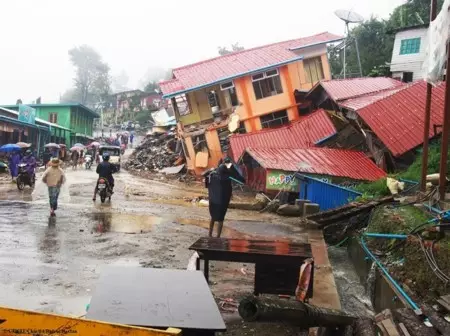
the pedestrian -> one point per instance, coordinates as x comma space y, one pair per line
54, 178
46, 156
14, 160
131, 140
31, 163
218, 182
81, 160
74, 157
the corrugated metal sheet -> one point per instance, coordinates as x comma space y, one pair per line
323, 161
172, 85
340, 89
361, 102
327, 195
303, 133
216, 69
397, 120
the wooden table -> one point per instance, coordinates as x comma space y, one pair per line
158, 298
277, 263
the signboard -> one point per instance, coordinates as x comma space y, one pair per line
279, 179
27, 114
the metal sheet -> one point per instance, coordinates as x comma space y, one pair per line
300, 134
155, 297
320, 161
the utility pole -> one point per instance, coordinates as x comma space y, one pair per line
426, 123
445, 131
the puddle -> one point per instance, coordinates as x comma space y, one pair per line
135, 223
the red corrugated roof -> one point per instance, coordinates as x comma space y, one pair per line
172, 85
397, 119
235, 64
363, 101
340, 89
322, 161
303, 133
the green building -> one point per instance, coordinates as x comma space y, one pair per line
76, 121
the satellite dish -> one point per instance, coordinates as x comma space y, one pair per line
348, 16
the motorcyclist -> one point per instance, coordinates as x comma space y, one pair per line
30, 160
105, 170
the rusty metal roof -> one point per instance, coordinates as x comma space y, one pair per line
241, 63
340, 89
397, 119
306, 132
320, 161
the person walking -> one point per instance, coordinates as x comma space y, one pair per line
220, 189
131, 140
74, 157
54, 178
14, 160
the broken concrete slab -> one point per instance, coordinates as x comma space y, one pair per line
310, 208
289, 210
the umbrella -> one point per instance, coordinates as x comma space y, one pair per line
76, 148
51, 145
62, 145
23, 144
78, 145
8, 148
95, 144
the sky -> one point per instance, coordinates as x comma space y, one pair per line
141, 37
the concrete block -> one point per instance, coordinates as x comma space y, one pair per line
289, 210
310, 208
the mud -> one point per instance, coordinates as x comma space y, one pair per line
52, 264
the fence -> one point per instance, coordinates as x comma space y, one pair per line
327, 195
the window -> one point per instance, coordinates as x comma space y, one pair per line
313, 69
230, 93
241, 129
275, 119
410, 46
224, 134
407, 77
267, 84
199, 143
53, 118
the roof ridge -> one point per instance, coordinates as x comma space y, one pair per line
246, 50
307, 148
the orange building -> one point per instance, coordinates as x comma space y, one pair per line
257, 85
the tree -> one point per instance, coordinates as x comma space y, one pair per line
234, 48
92, 80
375, 49
19, 101
413, 12
151, 87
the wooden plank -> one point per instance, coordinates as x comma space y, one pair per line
414, 325
446, 298
390, 328
15, 321
403, 329
382, 329
444, 304
436, 320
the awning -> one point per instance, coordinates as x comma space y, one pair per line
84, 136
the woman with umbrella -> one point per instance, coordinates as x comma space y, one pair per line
13, 158
218, 182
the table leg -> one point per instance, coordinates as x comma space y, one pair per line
206, 270
197, 264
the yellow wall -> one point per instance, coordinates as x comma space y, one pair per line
298, 75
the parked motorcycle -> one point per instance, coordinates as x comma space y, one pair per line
104, 189
23, 178
88, 161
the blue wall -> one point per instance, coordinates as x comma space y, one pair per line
327, 195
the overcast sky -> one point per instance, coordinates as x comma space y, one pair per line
137, 36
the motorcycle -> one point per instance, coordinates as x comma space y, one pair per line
88, 161
104, 189
23, 178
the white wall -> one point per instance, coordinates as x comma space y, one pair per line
410, 62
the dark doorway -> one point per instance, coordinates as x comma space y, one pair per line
407, 77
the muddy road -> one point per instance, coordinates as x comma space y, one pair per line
52, 264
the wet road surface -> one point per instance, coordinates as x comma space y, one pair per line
52, 264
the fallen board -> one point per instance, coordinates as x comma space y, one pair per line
155, 297
15, 321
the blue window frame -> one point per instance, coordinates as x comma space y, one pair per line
410, 46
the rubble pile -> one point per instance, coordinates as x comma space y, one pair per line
156, 153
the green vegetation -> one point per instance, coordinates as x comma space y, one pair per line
380, 189
406, 261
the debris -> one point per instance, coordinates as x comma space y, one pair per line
394, 186
156, 153
289, 210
